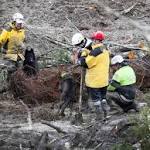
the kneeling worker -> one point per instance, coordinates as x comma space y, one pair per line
123, 84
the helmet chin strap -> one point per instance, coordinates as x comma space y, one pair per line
88, 43
83, 43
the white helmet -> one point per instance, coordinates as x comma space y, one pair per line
77, 38
18, 18
117, 59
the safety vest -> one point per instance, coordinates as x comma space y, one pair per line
125, 76
97, 61
11, 40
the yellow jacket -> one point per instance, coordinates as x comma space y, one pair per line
12, 40
97, 61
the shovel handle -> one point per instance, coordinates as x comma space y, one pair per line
81, 89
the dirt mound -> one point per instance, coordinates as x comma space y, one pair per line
42, 88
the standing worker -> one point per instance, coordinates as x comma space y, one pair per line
12, 42
95, 58
122, 84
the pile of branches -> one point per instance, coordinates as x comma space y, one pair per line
44, 86
142, 69
38, 89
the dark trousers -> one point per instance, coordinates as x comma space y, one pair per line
97, 93
98, 96
125, 104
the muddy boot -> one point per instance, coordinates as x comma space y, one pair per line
105, 108
135, 107
132, 106
99, 113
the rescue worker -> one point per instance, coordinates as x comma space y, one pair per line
95, 58
122, 84
12, 42
66, 88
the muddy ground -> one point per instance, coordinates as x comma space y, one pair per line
21, 127
40, 127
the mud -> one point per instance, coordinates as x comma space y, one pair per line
16, 132
51, 20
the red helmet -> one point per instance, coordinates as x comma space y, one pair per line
99, 35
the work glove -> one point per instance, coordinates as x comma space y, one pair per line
21, 46
79, 62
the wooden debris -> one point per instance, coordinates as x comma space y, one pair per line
59, 130
129, 9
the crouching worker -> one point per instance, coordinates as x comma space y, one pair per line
122, 84
67, 93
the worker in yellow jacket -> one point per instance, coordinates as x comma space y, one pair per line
12, 41
95, 58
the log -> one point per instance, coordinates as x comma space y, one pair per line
59, 130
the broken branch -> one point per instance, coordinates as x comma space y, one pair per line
59, 130
128, 9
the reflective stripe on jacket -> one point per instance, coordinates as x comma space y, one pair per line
124, 76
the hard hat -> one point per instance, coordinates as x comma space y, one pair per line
19, 21
18, 17
117, 59
77, 38
99, 35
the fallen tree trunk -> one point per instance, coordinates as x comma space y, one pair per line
59, 130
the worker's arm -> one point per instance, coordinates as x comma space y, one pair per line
90, 60
115, 82
113, 85
81, 58
3, 37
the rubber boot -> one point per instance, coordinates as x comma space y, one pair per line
105, 108
99, 113
132, 106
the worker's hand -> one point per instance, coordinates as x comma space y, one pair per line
79, 62
21, 46
74, 66
74, 56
